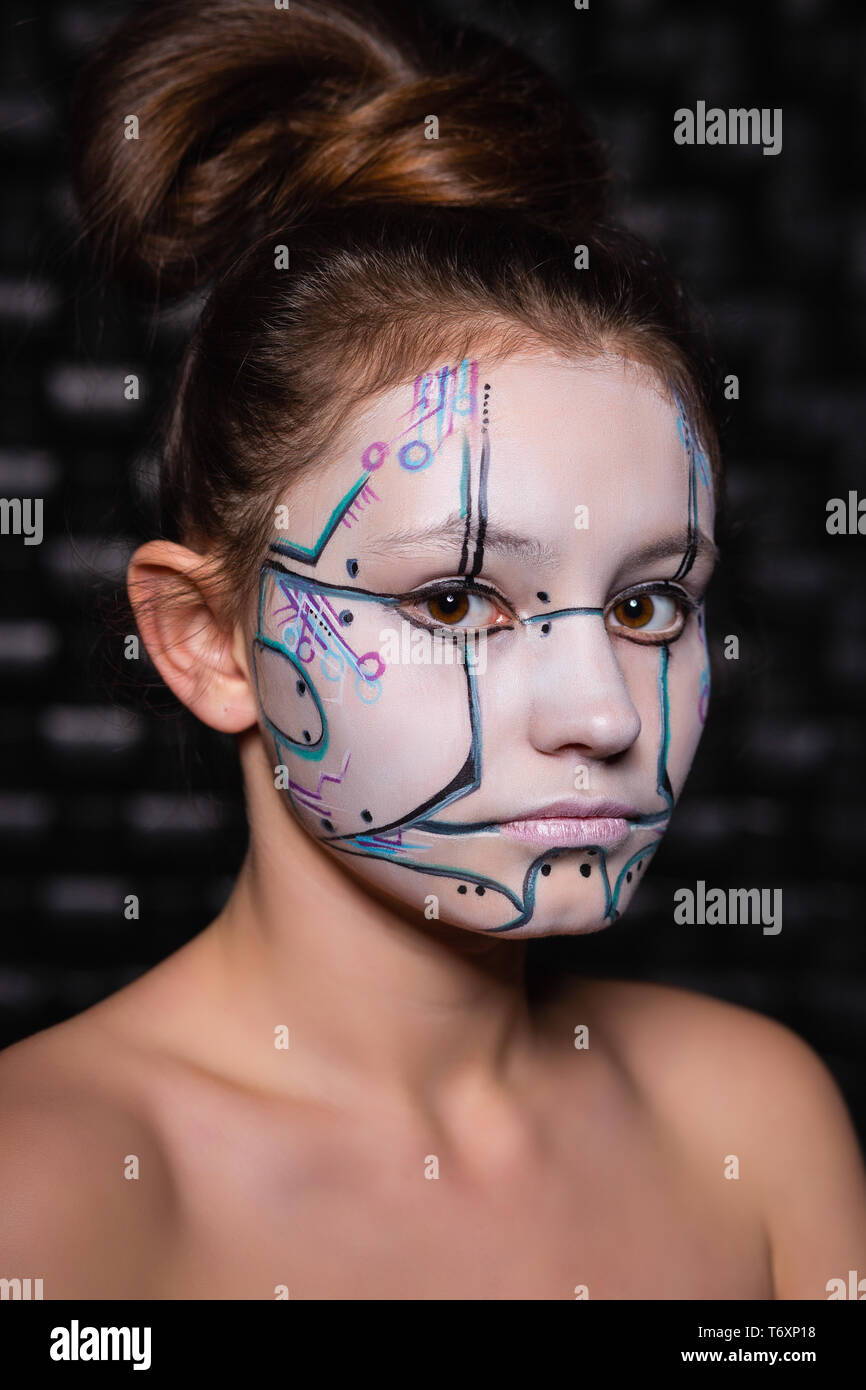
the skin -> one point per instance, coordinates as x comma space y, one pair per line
431, 1131
573, 685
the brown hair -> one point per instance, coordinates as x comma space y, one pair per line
305, 127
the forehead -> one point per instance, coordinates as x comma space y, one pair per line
601, 435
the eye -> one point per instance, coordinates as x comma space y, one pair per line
453, 606
649, 616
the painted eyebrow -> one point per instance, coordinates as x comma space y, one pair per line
449, 533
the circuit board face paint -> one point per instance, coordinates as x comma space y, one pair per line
480, 657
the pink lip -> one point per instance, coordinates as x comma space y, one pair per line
583, 830
573, 823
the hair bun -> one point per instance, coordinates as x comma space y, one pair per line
251, 117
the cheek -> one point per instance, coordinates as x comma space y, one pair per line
400, 753
688, 695
370, 729
665, 687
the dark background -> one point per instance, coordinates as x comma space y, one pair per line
100, 798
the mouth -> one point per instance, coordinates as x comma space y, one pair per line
573, 824
574, 830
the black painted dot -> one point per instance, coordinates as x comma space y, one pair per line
346, 617
352, 567
462, 888
543, 595
586, 870
592, 851
545, 869
628, 877
329, 825
480, 891
307, 736
640, 863
301, 687
366, 815
545, 627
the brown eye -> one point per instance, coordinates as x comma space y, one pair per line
635, 612
652, 617
448, 607
460, 609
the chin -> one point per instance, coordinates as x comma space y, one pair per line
573, 923
559, 892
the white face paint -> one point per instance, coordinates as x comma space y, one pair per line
516, 779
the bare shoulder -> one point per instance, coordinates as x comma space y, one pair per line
84, 1183
742, 1091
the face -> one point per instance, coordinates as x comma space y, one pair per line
480, 658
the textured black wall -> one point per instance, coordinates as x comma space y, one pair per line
99, 800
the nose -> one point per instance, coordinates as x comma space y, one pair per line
580, 697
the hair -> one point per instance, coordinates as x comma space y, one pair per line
306, 128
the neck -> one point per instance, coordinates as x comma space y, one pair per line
376, 998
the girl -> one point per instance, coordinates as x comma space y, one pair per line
439, 486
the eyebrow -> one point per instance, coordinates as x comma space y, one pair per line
449, 533
669, 547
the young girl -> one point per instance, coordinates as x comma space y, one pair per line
439, 487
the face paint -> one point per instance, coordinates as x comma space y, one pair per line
547, 524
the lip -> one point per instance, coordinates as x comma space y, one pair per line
573, 823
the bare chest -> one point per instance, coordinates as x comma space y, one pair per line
377, 1221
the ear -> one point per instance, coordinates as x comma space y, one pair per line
199, 653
